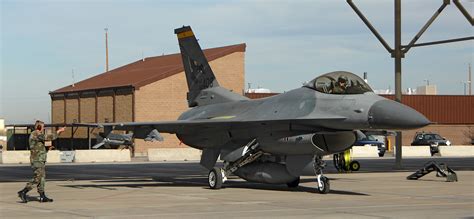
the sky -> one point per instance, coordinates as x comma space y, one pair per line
288, 42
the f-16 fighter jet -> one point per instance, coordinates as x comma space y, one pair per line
271, 140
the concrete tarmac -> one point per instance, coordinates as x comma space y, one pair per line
179, 190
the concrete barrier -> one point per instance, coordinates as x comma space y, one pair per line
456, 151
416, 151
365, 151
173, 154
16, 157
54, 156
105, 155
24, 157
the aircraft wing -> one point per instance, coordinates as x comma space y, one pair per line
142, 129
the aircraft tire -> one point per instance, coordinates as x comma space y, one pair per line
215, 178
294, 183
326, 186
354, 165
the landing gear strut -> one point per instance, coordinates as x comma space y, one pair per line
323, 182
217, 176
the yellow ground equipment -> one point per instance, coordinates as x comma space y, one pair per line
344, 163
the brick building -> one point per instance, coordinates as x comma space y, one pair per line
151, 89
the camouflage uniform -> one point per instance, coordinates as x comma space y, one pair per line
38, 159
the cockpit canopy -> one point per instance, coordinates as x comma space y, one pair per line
339, 82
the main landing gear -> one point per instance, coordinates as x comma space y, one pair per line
323, 182
217, 176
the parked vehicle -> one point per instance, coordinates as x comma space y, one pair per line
372, 141
430, 139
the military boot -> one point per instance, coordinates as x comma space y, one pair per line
43, 198
23, 196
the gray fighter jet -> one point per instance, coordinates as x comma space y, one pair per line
271, 140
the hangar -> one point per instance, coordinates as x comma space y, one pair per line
150, 89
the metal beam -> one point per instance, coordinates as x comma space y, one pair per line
79, 107
398, 55
14, 139
133, 106
113, 105
64, 105
425, 27
371, 28
464, 12
441, 42
89, 137
96, 107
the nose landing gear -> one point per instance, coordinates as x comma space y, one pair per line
323, 182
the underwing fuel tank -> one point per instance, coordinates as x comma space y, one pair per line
265, 172
316, 143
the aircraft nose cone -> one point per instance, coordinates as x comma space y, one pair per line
388, 114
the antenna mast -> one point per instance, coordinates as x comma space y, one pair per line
470, 80
72, 74
106, 50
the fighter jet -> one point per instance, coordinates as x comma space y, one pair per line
271, 140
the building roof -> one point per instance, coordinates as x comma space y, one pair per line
144, 71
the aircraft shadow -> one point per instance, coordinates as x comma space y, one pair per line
197, 182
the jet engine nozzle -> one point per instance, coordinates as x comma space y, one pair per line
388, 114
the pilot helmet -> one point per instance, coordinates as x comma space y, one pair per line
342, 79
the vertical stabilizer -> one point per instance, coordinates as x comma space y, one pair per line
199, 74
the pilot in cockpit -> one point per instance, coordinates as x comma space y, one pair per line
341, 85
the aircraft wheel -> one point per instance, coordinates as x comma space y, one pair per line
294, 183
354, 165
215, 178
324, 189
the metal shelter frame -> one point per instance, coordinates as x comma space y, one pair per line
400, 50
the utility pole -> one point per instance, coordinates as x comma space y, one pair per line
470, 80
399, 51
464, 83
72, 74
106, 50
